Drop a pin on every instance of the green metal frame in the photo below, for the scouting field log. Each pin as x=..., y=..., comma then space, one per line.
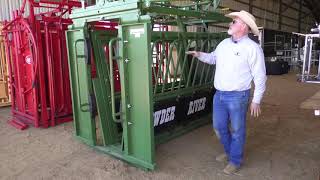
x=81, y=86
x=127, y=132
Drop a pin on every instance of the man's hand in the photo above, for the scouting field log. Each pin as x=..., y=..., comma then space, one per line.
x=255, y=109
x=193, y=53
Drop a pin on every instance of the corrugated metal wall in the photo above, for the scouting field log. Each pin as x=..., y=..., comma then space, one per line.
x=8, y=6
x=266, y=12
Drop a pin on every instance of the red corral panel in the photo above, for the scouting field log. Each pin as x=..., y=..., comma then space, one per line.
x=38, y=70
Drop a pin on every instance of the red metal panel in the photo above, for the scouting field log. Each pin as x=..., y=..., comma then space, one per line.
x=39, y=74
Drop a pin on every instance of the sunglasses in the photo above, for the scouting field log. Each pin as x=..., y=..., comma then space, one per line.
x=234, y=22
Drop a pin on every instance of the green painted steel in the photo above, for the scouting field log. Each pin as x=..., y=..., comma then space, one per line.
x=153, y=70
x=139, y=100
x=102, y=89
x=81, y=86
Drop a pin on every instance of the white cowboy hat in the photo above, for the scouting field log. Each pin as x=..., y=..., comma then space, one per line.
x=246, y=18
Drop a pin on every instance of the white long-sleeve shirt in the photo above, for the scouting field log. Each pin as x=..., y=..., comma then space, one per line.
x=237, y=64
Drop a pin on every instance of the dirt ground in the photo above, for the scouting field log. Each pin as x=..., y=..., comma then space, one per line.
x=284, y=143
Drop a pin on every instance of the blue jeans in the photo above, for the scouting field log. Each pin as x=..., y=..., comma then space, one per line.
x=230, y=107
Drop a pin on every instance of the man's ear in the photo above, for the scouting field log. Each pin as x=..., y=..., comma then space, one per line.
x=244, y=27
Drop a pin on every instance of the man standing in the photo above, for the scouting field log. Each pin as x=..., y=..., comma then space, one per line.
x=239, y=60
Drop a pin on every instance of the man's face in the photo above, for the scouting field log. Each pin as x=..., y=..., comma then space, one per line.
x=236, y=26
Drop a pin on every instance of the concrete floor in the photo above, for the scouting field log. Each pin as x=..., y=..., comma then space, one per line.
x=284, y=143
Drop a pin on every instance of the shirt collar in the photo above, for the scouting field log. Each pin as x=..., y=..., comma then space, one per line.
x=239, y=40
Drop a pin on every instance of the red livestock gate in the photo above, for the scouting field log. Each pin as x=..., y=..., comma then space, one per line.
x=38, y=63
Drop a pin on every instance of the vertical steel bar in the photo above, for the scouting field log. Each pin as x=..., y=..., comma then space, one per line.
x=204, y=66
x=209, y=48
x=113, y=98
x=183, y=66
x=164, y=58
x=160, y=62
x=169, y=58
x=177, y=66
x=60, y=62
x=304, y=59
x=155, y=67
x=39, y=52
x=192, y=64
x=9, y=57
x=310, y=40
x=50, y=73
x=197, y=66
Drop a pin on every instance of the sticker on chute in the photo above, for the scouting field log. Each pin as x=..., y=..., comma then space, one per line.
x=137, y=32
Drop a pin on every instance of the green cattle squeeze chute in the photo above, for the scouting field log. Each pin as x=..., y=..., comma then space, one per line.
x=133, y=85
